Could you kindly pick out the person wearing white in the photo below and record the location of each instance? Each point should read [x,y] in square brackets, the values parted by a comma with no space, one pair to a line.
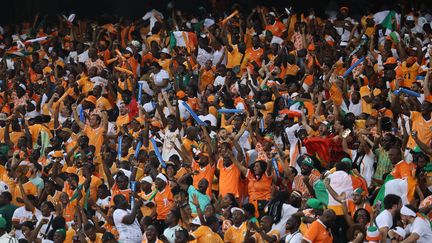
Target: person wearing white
[23,214]
[281,217]
[293,233]
[125,220]
[384,220]
[418,228]
[4,236]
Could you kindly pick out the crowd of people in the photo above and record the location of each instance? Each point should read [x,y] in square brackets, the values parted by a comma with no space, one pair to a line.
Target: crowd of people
[255,125]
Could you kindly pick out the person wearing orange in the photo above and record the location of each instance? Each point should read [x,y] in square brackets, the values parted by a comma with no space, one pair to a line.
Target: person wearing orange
[421,123]
[164,198]
[275,26]
[204,170]
[252,58]
[236,233]
[207,76]
[410,70]
[319,231]
[259,183]
[207,233]
[95,129]
[229,176]
[358,201]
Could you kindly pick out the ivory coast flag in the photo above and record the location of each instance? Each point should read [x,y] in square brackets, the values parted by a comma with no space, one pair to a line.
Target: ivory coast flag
[399,187]
[183,39]
[341,182]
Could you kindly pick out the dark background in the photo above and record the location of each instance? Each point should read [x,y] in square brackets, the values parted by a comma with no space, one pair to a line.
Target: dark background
[13,11]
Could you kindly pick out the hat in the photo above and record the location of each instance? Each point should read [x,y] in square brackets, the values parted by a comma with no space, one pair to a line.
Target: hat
[428,167]
[400,231]
[293,95]
[314,203]
[272,14]
[61,231]
[3,117]
[410,18]
[147,179]
[23,86]
[390,60]
[373,234]
[162,177]
[407,211]
[308,161]
[57,154]
[91,99]
[2,223]
[181,94]
[165,50]
[196,221]
[416,149]
[359,190]
[346,160]
[233,209]
[129,49]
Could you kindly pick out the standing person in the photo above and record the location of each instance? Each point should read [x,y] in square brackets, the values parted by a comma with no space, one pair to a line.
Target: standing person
[319,230]
[164,200]
[125,220]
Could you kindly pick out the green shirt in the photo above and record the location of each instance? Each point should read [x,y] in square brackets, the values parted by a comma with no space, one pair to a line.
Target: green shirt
[6,212]
[384,164]
[203,199]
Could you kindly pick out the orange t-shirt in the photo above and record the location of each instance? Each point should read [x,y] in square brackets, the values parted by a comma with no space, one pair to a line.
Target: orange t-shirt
[229,179]
[95,136]
[207,77]
[423,128]
[277,28]
[259,189]
[352,208]
[207,172]
[164,201]
[318,233]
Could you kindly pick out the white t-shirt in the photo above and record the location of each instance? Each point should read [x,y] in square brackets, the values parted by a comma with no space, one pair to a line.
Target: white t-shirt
[103,203]
[160,76]
[127,232]
[356,109]
[22,215]
[422,228]
[219,81]
[287,212]
[294,238]
[384,219]
[169,233]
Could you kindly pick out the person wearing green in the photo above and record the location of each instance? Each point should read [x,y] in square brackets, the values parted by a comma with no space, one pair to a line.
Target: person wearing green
[7,208]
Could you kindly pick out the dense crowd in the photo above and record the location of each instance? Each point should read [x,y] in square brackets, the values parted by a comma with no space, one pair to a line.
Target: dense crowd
[261,125]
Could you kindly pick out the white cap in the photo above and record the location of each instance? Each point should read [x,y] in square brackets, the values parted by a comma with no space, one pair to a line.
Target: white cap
[165,50]
[400,231]
[293,95]
[129,49]
[233,209]
[147,179]
[410,18]
[23,86]
[272,13]
[162,177]
[407,211]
